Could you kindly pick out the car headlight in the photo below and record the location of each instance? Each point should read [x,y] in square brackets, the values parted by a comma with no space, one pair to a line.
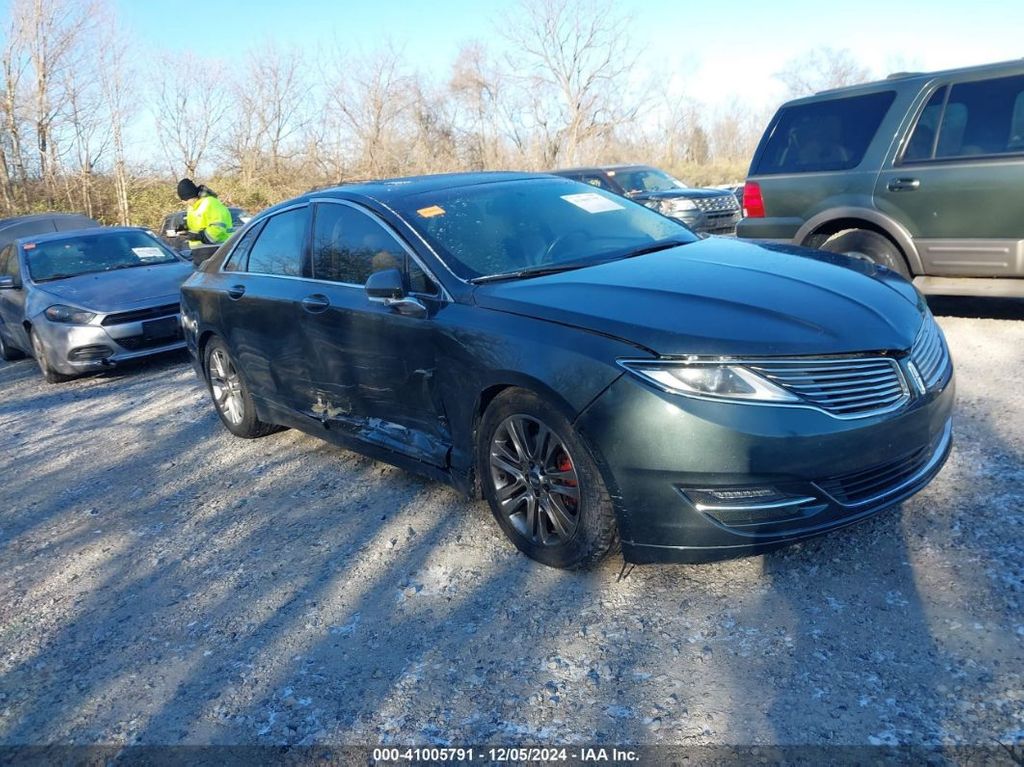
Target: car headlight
[69,314]
[672,206]
[716,380]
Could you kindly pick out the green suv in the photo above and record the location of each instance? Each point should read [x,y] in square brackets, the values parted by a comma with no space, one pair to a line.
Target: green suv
[923,173]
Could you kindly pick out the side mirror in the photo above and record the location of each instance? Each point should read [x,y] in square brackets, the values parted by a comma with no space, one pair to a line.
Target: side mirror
[386,287]
[7,282]
[385,284]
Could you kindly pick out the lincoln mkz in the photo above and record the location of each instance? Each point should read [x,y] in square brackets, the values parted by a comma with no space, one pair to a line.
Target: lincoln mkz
[604,377]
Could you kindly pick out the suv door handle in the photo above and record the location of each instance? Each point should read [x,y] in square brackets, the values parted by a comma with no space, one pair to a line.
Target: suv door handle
[236,291]
[904,184]
[316,303]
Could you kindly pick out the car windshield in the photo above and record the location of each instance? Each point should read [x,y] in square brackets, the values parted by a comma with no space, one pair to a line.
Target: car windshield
[534,225]
[640,180]
[91,253]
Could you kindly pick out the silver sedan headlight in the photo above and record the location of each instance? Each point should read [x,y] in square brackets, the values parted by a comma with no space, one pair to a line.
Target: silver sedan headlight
[709,380]
[69,314]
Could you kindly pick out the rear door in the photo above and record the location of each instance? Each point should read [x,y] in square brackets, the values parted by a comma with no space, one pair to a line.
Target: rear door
[261,286]
[956,183]
[373,368]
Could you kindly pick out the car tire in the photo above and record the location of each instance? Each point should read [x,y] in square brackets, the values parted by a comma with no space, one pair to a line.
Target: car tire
[869,246]
[542,483]
[39,352]
[230,394]
[7,352]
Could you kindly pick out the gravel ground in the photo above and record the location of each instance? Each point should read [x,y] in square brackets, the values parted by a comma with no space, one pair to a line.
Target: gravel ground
[164,582]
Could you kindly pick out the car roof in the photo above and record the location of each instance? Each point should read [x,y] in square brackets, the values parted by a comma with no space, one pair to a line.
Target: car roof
[603,168]
[16,220]
[386,190]
[96,231]
[915,79]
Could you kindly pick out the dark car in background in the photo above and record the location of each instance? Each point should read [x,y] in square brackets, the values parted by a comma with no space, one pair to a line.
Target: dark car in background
[602,374]
[172,230]
[89,299]
[922,173]
[41,223]
[710,211]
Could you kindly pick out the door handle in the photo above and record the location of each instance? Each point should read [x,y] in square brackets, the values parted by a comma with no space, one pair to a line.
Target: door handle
[236,291]
[316,303]
[904,184]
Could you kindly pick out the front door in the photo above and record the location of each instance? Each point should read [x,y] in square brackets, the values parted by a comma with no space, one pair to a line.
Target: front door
[373,369]
[957,186]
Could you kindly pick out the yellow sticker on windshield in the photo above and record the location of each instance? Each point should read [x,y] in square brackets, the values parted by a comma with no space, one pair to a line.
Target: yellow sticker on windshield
[433,210]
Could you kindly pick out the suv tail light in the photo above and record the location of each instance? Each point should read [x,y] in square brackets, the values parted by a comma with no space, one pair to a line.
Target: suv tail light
[753,203]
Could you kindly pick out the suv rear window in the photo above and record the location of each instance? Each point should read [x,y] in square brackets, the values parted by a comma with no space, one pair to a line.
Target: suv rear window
[822,135]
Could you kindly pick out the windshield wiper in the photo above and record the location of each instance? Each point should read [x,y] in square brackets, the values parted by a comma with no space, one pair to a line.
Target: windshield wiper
[654,247]
[534,271]
[537,271]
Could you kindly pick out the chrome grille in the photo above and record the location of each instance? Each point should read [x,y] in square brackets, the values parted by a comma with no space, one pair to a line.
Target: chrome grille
[844,387]
[929,355]
[725,203]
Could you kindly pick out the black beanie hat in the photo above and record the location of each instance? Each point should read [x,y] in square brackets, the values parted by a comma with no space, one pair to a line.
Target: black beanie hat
[187,189]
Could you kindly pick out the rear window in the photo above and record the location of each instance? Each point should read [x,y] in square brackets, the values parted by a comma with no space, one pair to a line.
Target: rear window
[822,135]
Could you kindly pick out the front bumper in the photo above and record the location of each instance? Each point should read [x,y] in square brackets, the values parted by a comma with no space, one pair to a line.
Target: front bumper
[663,454]
[76,349]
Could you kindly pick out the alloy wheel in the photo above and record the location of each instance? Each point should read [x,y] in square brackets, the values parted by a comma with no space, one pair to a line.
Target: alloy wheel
[226,386]
[535,480]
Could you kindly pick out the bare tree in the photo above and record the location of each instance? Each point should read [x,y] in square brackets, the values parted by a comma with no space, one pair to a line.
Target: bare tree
[372,97]
[116,69]
[573,56]
[822,69]
[191,102]
[268,112]
[52,32]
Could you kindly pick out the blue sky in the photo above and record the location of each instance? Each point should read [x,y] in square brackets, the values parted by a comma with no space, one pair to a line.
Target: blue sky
[711,51]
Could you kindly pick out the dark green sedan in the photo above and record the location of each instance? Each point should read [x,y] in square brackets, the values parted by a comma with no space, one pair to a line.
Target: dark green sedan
[604,377]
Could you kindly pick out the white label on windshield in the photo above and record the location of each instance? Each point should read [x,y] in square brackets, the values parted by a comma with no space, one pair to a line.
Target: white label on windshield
[592,202]
[149,253]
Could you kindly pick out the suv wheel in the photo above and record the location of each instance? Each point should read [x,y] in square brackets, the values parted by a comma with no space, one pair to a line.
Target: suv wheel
[869,246]
[542,483]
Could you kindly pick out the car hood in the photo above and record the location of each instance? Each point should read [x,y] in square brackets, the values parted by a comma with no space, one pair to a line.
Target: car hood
[686,194]
[123,289]
[725,297]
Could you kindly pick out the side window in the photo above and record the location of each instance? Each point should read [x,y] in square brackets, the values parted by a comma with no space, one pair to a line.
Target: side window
[597,181]
[983,118]
[238,261]
[281,245]
[5,255]
[349,246]
[832,134]
[923,139]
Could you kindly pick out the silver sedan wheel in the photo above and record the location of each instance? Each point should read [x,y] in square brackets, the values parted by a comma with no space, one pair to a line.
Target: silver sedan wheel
[535,480]
[39,353]
[226,387]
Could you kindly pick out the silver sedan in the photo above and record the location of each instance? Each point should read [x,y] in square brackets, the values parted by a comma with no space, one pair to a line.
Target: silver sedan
[86,300]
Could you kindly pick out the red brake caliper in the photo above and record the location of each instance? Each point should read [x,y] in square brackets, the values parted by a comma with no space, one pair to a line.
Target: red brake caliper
[564,464]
